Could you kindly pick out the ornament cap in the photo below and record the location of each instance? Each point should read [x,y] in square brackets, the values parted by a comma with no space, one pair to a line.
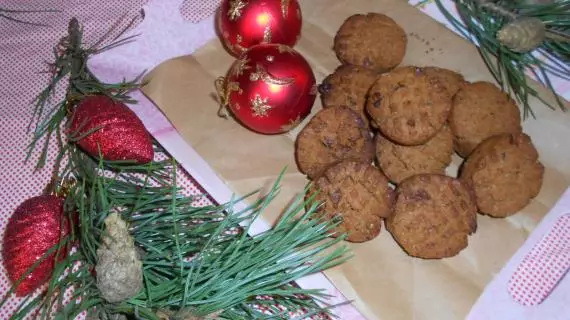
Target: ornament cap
[59,187]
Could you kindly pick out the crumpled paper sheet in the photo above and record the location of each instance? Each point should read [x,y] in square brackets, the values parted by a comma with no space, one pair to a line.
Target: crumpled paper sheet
[383,281]
[164,35]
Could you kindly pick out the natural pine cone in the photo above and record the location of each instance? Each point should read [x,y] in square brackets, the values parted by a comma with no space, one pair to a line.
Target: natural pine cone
[523,34]
[119,269]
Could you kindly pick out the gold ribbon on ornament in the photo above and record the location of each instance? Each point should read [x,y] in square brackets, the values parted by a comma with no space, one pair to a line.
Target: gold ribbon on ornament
[223,95]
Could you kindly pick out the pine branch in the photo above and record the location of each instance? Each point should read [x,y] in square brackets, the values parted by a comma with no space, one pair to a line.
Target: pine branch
[481,20]
[70,69]
[196,261]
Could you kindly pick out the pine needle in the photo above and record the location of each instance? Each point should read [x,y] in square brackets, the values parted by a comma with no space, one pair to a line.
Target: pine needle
[196,261]
[9,13]
[479,23]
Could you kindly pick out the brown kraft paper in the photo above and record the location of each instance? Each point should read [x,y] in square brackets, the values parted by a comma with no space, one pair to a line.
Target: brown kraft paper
[382,280]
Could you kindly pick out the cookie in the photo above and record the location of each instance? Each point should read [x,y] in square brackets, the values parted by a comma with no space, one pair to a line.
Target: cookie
[374,41]
[400,162]
[408,106]
[333,134]
[433,216]
[504,173]
[359,193]
[481,110]
[347,86]
[450,79]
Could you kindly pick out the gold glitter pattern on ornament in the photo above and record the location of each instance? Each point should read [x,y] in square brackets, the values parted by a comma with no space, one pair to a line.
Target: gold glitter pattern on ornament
[267,33]
[523,34]
[284,7]
[239,38]
[240,66]
[235,9]
[262,74]
[259,106]
[291,125]
[285,49]
[233,86]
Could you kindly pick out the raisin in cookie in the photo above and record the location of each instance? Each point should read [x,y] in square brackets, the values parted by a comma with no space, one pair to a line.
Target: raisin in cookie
[481,110]
[504,173]
[359,193]
[374,41]
[433,216]
[333,134]
[408,106]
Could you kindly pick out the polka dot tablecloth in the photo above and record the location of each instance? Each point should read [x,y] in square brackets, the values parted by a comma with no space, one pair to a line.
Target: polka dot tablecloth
[24,53]
[544,266]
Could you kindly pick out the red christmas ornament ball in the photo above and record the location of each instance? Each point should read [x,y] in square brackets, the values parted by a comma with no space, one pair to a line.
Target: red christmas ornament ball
[270,89]
[36,226]
[245,23]
[104,124]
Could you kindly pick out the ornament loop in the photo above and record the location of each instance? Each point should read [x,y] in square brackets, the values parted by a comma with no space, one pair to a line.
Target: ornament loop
[60,187]
[70,101]
[223,95]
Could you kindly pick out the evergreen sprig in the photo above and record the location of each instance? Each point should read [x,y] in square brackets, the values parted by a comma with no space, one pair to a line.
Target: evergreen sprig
[198,262]
[70,69]
[479,22]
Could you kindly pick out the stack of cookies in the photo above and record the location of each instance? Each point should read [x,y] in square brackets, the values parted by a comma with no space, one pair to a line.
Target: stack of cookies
[379,148]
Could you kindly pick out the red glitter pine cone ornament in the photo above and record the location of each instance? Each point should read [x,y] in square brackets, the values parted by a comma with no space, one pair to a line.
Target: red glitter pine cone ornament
[103,123]
[36,226]
[245,23]
[270,89]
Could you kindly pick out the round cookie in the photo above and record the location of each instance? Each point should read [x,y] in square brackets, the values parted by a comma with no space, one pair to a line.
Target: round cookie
[400,162]
[433,216]
[504,173]
[333,134]
[451,80]
[347,86]
[374,41]
[359,193]
[408,106]
[481,110]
